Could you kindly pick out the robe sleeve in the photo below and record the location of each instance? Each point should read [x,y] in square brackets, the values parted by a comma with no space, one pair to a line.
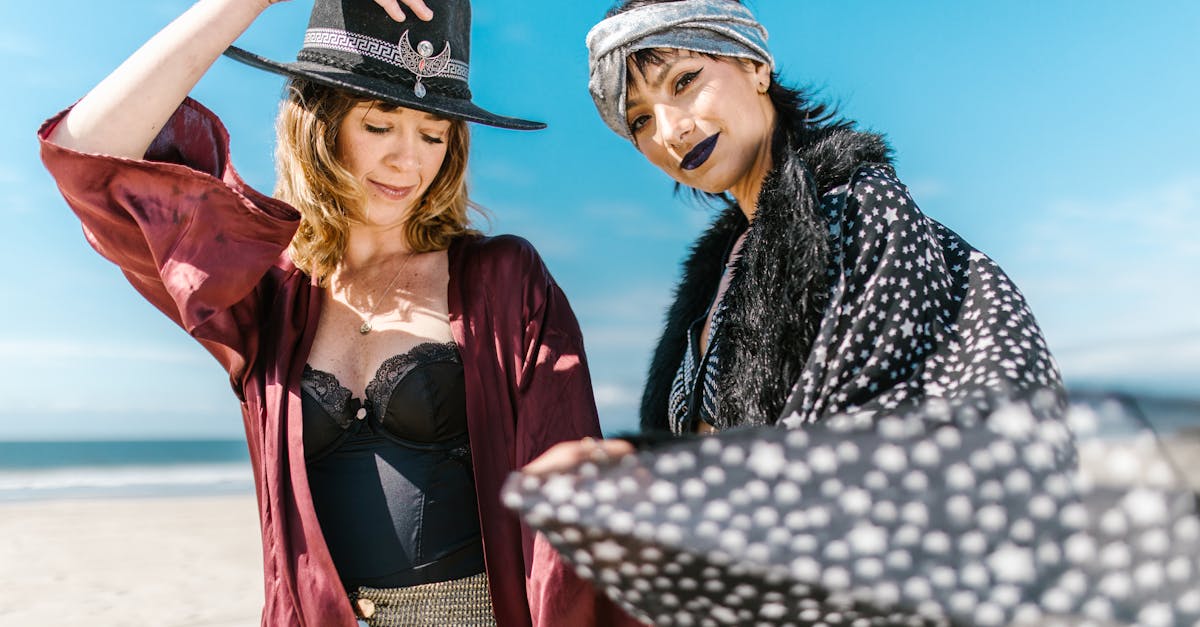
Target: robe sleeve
[186,231]
[915,314]
[554,404]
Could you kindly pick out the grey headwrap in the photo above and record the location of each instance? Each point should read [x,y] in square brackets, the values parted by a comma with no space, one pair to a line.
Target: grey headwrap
[719,27]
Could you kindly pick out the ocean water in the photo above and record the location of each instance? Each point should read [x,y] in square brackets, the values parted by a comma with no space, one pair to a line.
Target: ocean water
[101,469]
[104,469]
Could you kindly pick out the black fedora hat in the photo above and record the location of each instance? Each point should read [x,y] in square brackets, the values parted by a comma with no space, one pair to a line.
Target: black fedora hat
[355,46]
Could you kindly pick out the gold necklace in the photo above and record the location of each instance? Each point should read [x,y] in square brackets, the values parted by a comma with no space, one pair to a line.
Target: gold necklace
[370,316]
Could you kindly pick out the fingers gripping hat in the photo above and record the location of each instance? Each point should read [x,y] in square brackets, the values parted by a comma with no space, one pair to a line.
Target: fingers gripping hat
[355,46]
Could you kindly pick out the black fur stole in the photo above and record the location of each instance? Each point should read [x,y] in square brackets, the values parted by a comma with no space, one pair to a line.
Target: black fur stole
[779,288]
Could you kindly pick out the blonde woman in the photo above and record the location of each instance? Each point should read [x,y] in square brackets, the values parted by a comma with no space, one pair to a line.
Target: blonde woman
[393,365]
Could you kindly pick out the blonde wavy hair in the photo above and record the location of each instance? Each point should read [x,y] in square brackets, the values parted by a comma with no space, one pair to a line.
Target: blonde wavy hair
[329,199]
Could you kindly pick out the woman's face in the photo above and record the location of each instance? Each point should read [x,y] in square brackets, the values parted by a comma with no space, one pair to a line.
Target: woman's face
[396,154]
[701,120]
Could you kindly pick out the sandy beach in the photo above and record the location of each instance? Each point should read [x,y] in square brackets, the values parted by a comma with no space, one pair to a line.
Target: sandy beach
[196,561]
[168,562]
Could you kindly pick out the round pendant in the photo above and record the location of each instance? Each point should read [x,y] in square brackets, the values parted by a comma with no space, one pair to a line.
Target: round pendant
[365,328]
[419,90]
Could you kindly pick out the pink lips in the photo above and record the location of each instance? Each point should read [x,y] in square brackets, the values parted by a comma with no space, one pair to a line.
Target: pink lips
[699,153]
[393,193]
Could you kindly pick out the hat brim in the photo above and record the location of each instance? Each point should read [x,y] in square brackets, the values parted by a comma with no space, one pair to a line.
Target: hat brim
[383,90]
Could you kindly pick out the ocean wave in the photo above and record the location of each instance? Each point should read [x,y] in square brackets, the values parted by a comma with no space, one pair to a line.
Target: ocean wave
[83,481]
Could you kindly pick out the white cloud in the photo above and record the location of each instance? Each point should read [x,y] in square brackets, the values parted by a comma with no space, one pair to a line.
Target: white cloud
[672,221]
[17,44]
[1159,220]
[14,186]
[518,33]
[505,171]
[15,204]
[1114,284]
[639,338]
[632,300]
[9,175]
[1124,267]
[108,380]
[43,350]
[923,190]
[615,395]
[160,404]
[1166,364]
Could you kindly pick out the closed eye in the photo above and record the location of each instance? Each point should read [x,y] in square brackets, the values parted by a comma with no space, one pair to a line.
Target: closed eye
[430,139]
[378,130]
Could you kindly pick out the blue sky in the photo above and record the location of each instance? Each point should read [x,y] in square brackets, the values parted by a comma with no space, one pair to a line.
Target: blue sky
[1057,137]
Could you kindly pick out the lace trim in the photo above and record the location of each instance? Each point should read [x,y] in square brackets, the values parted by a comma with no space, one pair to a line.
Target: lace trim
[329,392]
[395,368]
[337,398]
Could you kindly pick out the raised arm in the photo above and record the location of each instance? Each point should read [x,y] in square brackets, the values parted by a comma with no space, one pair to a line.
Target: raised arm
[123,113]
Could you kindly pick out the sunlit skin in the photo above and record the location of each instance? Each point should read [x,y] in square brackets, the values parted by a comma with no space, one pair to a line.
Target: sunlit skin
[567,455]
[671,108]
[396,154]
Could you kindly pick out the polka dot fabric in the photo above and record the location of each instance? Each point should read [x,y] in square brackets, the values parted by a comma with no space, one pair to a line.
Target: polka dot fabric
[915,313]
[924,520]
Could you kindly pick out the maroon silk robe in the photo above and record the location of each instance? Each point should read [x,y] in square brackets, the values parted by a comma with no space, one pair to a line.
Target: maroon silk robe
[210,253]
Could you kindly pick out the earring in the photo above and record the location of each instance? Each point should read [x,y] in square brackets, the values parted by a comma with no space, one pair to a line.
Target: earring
[762,88]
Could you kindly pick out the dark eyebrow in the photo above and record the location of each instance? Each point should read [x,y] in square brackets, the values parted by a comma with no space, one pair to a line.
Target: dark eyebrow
[665,68]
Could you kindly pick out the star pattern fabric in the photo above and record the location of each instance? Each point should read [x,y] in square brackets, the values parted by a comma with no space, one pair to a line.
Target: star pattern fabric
[915,314]
[1019,519]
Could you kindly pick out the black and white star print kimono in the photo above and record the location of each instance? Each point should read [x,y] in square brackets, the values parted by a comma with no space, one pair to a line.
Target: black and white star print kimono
[845,298]
[915,314]
[929,472]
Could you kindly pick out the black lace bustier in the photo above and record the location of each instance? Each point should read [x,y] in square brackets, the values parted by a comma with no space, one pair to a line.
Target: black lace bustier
[390,474]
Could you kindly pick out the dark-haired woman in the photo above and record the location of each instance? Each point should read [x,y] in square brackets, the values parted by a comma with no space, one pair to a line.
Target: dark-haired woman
[820,288]
[927,477]
[392,363]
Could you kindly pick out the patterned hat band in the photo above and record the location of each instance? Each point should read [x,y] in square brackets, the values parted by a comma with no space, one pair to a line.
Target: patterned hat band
[353,46]
[400,60]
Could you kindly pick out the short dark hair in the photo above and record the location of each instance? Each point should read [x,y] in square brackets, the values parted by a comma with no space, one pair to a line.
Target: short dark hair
[795,107]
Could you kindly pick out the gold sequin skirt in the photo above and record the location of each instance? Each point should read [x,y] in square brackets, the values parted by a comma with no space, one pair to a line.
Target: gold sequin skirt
[465,602]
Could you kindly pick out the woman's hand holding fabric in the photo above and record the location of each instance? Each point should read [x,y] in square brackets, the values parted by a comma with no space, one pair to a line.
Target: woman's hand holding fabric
[565,456]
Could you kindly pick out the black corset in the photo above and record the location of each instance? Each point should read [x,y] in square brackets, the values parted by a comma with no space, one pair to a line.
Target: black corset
[390,474]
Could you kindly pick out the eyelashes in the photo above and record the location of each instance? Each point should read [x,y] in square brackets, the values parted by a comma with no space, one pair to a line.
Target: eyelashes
[638,123]
[685,79]
[681,84]
[383,130]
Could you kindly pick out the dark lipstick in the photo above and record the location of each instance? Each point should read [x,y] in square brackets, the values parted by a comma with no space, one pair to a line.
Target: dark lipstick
[699,153]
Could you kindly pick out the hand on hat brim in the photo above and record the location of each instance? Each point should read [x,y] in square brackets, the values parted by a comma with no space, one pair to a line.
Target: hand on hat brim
[418,8]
